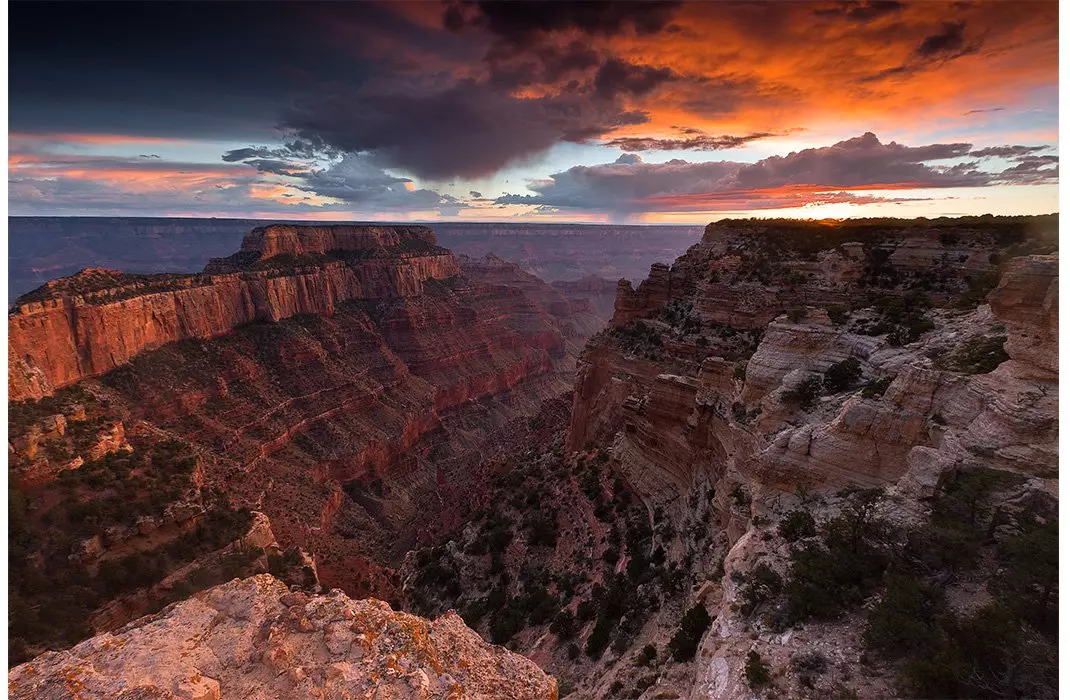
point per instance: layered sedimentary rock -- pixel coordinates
(254, 638)
(576, 308)
(350, 397)
(98, 320)
(775, 364)
(646, 383)
(283, 239)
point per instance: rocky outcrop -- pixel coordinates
(286, 239)
(776, 364)
(677, 420)
(1027, 302)
(96, 321)
(254, 638)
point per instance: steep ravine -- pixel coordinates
(806, 460)
(780, 384)
(348, 383)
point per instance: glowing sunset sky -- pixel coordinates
(638, 111)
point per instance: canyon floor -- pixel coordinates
(804, 460)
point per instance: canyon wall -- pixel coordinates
(351, 398)
(696, 379)
(779, 369)
(91, 323)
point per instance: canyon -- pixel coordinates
(42, 248)
(644, 510)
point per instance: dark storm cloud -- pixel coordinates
(949, 40)
(522, 21)
(542, 65)
(467, 130)
(615, 77)
(694, 141)
(944, 45)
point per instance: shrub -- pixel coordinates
(902, 622)
(979, 355)
(838, 314)
(598, 640)
(685, 640)
(797, 525)
(877, 387)
(842, 569)
(756, 671)
(805, 394)
(740, 497)
(809, 662)
(760, 585)
(564, 625)
(507, 622)
(842, 375)
(649, 653)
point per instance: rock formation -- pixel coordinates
(254, 638)
(98, 320)
(773, 366)
(351, 394)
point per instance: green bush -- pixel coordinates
(685, 640)
(842, 375)
(564, 624)
(979, 355)
(805, 394)
(598, 640)
(797, 525)
(903, 622)
(760, 585)
(643, 658)
(844, 567)
(877, 387)
(757, 671)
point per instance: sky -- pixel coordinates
(637, 112)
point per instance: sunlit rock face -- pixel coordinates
(254, 638)
(679, 413)
(97, 320)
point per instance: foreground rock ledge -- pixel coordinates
(252, 638)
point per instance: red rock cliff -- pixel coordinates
(95, 321)
(283, 239)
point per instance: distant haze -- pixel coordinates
(44, 248)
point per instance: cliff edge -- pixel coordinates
(255, 638)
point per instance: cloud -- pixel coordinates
(465, 89)
(350, 178)
(860, 11)
(697, 142)
(949, 40)
(615, 77)
(475, 195)
(813, 175)
(467, 130)
(1006, 151)
(1032, 170)
(521, 21)
(983, 111)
